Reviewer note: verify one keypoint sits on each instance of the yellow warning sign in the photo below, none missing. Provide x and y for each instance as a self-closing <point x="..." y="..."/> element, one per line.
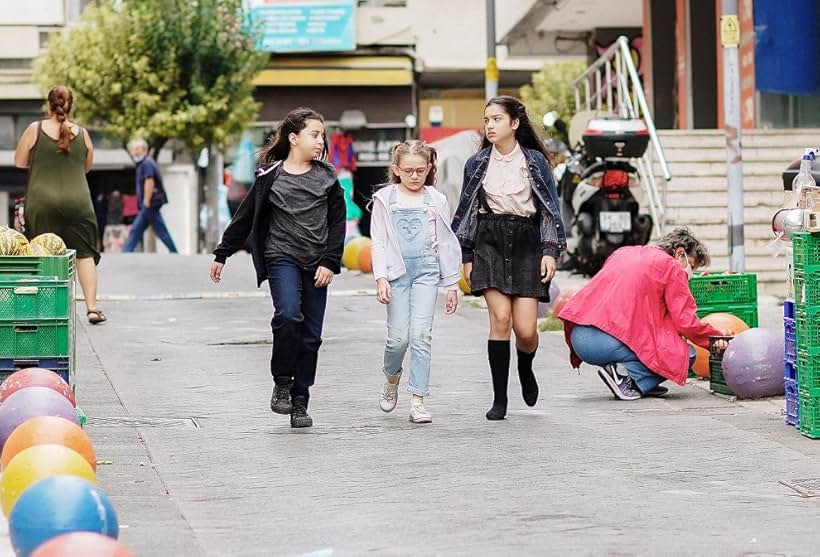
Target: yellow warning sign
<point x="491" y="73"/>
<point x="729" y="31"/>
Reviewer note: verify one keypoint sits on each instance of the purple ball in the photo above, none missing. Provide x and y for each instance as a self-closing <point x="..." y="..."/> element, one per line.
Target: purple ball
<point x="554" y="293"/>
<point x="32" y="402"/>
<point x="753" y="363"/>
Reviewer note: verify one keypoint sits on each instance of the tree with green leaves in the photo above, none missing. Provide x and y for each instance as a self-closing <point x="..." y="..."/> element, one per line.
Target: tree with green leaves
<point x="551" y="90"/>
<point x="159" y="69"/>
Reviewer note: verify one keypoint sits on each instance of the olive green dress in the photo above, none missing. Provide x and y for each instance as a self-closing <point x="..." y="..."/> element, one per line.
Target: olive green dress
<point x="58" y="199"/>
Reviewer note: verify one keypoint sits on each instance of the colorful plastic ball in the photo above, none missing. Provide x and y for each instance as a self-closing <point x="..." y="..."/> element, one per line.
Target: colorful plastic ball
<point x="60" y="505"/>
<point x="721" y="322"/>
<point x="38" y="463"/>
<point x="350" y="256"/>
<point x="87" y="544"/>
<point x="462" y="283"/>
<point x="45" y="430"/>
<point x="30" y="403"/>
<point x="562" y="299"/>
<point x="365" y="260"/>
<point x="753" y="363"/>
<point x="35" y="377"/>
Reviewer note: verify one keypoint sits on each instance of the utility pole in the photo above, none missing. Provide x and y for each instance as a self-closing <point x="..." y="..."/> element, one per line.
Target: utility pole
<point x="730" y="40"/>
<point x="491" y="69"/>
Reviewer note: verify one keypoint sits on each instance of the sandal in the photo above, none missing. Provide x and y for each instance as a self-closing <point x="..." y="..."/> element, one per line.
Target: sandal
<point x="98" y="316"/>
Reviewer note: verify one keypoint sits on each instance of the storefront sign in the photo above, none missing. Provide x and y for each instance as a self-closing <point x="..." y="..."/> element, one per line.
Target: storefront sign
<point x="306" y="26"/>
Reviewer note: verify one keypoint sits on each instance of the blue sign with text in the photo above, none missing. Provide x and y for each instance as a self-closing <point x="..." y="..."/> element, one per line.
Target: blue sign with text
<point x="305" y="26"/>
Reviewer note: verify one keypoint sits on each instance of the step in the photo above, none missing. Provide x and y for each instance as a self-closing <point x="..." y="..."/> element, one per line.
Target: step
<point x="718" y="168"/>
<point x="691" y="216"/>
<point x="797" y="139"/>
<point x="706" y="199"/>
<point x="700" y="153"/>
<point x="719" y="183"/>
<point x="754" y="263"/>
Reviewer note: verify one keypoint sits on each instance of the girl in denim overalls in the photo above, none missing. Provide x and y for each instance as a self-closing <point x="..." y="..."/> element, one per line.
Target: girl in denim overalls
<point x="414" y="252"/>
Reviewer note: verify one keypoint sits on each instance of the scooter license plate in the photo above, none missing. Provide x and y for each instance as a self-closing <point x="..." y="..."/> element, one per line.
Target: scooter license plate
<point x="615" y="221"/>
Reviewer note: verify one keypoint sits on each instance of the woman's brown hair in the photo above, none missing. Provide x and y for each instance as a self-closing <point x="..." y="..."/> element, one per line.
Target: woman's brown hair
<point x="278" y="147"/>
<point x="60" y="101"/>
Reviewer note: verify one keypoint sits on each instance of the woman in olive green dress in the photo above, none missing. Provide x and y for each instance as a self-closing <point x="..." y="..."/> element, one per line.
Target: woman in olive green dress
<point x="58" y="154"/>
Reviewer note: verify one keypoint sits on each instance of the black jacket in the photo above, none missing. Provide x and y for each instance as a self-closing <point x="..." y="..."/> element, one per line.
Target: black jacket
<point x="251" y="223"/>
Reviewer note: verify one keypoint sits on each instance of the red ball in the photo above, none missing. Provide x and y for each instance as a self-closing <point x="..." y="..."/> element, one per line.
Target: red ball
<point x="35" y="377"/>
<point x="87" y="544"/>
<point x="562" y="300"/>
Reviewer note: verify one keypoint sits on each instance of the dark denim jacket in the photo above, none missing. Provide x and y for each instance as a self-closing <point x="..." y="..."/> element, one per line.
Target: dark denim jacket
<point x="465" y="220"/>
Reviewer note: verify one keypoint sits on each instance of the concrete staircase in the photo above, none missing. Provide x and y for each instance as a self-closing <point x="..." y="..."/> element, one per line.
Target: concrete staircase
<point x="697" y="195"/>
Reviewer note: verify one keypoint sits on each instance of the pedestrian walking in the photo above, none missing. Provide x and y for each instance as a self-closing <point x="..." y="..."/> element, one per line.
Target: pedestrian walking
<point x="151" y="196"/>
<point x="414" y="252"/>
<point x="294" y="219"/>
<point x="634" y="313"/>
<point x="58" y="154"/>
<point x="509" y="226"/>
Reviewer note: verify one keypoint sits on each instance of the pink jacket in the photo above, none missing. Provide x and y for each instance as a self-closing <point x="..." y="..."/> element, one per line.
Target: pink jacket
<point x="386" y="252"/>
<point x="642" y="298"/>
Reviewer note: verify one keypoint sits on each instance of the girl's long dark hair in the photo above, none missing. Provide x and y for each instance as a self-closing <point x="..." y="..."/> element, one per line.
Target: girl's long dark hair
<point x="278" y="147"/>
<point x="525" y="134"/>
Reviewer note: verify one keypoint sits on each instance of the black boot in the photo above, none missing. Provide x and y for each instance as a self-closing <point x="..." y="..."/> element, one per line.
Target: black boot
<point x="299" y="416"/>
<point x="498" y="352"/>
<point x="280" y="399"/>
<point x="529" y="386"/>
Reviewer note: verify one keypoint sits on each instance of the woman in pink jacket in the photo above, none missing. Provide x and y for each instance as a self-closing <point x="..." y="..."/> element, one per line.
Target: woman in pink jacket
<point x="636" y="313"/>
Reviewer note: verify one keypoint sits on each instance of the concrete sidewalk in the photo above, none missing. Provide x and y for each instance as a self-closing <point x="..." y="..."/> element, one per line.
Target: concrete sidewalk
<point x="176" y="386"/>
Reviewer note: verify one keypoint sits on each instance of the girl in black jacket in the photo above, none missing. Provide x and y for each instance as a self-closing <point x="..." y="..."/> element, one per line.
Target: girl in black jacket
<point x="294" y="218"/>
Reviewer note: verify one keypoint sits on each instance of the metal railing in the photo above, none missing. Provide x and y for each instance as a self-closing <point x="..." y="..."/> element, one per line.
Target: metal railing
<point x="611" y="83"/>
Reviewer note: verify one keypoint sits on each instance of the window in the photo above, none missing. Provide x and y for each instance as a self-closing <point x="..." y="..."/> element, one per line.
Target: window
<point x="8" y="139"/>
<point x="383" y="3"/>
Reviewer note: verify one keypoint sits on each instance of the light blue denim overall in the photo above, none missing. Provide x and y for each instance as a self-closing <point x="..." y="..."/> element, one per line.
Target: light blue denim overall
<point x="413" y="295"/>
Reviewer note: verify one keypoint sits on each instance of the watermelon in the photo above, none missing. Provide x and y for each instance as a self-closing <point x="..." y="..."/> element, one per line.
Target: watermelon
<point x="53" y="244"/>
<point x="12" y="242"/>
<point x="38" y="250"/>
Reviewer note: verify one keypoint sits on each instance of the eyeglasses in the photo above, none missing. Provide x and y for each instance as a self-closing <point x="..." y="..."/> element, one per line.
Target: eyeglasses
<point x="409" y="172"/>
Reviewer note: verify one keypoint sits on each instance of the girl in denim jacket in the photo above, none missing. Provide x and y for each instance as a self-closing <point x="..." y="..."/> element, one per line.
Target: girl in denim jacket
<point x="414" y="252"/>
<point x="510" y="229"/>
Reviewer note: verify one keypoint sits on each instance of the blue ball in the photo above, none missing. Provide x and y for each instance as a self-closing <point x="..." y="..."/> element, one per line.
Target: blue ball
<point x="59" y="505"/>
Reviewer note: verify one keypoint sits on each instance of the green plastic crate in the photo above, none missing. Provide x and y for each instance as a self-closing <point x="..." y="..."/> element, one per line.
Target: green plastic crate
<point x="55" y="266"/>
<point x="810" y="412"/>
<point x="34" y="299"/>
<point x="808" y="362"/>
<point x="805" y="251"/>
<point x="746" y="313"/>
<point x="807" y="327"/>
<point x="724" y="289"/>
<point x="807" y="287"/>
<point x="717" y="382"/>
<point x="35" y="339"/>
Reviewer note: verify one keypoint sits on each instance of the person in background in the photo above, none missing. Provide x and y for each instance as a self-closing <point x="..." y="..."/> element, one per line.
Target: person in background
<point x="151" y="197"/>
<point x="59" y="154"/>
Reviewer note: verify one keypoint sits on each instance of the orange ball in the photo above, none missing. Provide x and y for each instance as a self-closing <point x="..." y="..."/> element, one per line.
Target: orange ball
<point x="721" y="322"/>
<point x="366" y="259"/>
<point x="48" y="430"/>
<point x="562" y="300"/>
<point x="88" y="544"/>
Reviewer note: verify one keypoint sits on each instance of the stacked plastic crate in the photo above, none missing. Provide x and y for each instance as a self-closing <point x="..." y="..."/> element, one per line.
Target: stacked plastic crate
<point x="790" y="365"/>
<point x="806" y="265"/>
<point x="734" y="293"/>
<point x="37" y="314"/>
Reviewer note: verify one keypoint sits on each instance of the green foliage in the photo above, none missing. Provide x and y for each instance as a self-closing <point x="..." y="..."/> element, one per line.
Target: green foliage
<point x="551" y="90"/>
<point x="160" y="69"/>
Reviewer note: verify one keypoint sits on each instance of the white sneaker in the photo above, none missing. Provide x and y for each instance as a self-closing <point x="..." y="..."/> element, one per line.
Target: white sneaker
<point x="390" y="394"/>
<point x="419" y="414"/>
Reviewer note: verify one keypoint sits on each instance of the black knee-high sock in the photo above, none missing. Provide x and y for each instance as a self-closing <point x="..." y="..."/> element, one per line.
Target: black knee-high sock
<point x="498" y="352"/>
<point x="529" y="386"/>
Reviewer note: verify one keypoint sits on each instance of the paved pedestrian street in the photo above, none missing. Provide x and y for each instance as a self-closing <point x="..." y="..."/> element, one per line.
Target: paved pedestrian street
<point x="176" y="386"/>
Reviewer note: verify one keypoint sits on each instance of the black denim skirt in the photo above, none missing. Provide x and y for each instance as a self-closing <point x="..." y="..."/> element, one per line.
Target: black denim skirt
<point x="507" y="257"/>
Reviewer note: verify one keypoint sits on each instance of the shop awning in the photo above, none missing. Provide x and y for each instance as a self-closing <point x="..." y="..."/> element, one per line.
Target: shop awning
<point x="340" y="71"/>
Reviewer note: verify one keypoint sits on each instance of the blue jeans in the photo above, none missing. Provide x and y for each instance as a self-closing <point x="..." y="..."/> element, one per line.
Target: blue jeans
<point x="410" y="321"/>
<point x="153" y="218"/>
<point x="599" y="348"/>
<point x="299" y="312"/>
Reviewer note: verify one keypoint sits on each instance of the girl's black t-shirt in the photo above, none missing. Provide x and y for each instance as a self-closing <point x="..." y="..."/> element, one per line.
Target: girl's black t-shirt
<point x="299" y="220"/>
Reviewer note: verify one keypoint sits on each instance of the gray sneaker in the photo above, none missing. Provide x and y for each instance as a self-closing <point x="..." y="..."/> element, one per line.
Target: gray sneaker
<point x="390" y="394"/>
<point x="280" y="399"/>
<point x="623" y="387"/>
